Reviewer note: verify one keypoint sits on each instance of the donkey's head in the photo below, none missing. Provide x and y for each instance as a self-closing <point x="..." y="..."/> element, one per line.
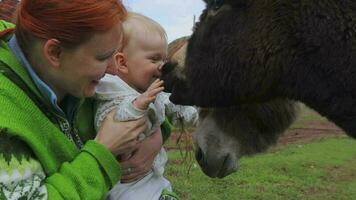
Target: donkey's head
<point x="224" y="135"/>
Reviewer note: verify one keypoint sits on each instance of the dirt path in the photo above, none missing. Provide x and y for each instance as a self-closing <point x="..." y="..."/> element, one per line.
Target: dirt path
<point x="311" y="131"/>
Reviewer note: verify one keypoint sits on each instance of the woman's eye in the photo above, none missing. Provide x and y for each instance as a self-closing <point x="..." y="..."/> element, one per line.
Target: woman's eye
<point x="103" y="58"/>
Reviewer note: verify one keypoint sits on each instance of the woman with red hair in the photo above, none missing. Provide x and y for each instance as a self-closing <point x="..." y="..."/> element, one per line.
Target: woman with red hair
<point x="56" y="56"/>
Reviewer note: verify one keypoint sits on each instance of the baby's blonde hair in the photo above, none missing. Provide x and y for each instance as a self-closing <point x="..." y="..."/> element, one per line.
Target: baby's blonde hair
<point x="130" y="26"/>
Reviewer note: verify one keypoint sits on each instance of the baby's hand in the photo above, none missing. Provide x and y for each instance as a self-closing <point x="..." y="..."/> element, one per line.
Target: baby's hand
<point x="149" y="96"/>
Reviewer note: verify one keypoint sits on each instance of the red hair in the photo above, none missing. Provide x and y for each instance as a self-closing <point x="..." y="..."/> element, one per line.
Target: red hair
<point x="72" y="22"/>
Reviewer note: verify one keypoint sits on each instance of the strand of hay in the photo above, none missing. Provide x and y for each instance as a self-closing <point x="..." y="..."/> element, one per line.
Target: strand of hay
<point x="186" y="146"/>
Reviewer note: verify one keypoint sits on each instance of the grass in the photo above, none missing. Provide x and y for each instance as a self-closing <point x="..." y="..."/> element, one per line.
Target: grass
<point x="306" y="116"/>
<point x="324" y="170"/>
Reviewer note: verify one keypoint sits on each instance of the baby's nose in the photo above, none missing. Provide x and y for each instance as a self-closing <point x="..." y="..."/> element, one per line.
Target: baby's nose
<point x="160" y="66"/>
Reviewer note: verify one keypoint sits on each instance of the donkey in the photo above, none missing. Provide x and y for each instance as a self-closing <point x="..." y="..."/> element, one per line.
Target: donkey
<point x="224" y="135"/>
<point x="246" y="52"/>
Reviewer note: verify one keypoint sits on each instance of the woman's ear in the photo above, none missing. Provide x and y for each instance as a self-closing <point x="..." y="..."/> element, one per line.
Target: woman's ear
<point x="52" y="51"/>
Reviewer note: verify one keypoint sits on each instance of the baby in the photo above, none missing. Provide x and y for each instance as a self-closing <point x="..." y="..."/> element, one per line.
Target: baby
<point x="136" y="91"/>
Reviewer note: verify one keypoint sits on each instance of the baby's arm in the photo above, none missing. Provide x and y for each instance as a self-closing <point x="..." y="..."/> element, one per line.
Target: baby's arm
<point x="142" y="101"/>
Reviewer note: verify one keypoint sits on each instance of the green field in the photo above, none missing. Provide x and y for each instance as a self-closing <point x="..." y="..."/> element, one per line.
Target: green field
<point x="325" y="169"/>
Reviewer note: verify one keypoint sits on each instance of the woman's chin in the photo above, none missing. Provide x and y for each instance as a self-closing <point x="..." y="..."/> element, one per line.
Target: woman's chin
<point x="89" y="91"/>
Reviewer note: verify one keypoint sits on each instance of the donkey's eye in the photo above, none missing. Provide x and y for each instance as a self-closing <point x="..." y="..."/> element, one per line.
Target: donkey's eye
<point x="216" y="4"/>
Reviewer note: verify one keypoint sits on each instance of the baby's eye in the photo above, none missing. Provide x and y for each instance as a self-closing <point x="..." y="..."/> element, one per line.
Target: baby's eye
<point x="155" y="59"/>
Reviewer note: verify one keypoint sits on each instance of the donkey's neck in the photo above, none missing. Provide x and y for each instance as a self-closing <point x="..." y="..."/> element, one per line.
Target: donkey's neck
<point x="336" y="103"/>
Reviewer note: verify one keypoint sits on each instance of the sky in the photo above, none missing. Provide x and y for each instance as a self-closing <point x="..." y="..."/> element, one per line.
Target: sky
<point x="175" y="16"/>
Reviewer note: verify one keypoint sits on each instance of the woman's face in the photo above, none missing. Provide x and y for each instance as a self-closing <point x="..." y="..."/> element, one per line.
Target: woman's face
<point x="81" y="68"/>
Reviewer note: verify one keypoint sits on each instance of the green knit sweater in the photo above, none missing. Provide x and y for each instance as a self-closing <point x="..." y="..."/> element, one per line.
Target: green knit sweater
<point x="36" y="159"/>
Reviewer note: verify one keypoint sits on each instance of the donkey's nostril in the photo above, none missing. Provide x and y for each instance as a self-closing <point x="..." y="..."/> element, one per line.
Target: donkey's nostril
<point x="199" y="154"/>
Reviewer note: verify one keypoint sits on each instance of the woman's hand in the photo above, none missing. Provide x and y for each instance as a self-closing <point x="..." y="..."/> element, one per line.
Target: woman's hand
<point x="120" y="137"/>
<point x="141" y="161"/>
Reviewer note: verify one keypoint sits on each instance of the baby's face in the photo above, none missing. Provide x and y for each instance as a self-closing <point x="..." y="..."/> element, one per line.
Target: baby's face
<point x="145" y="53"/>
